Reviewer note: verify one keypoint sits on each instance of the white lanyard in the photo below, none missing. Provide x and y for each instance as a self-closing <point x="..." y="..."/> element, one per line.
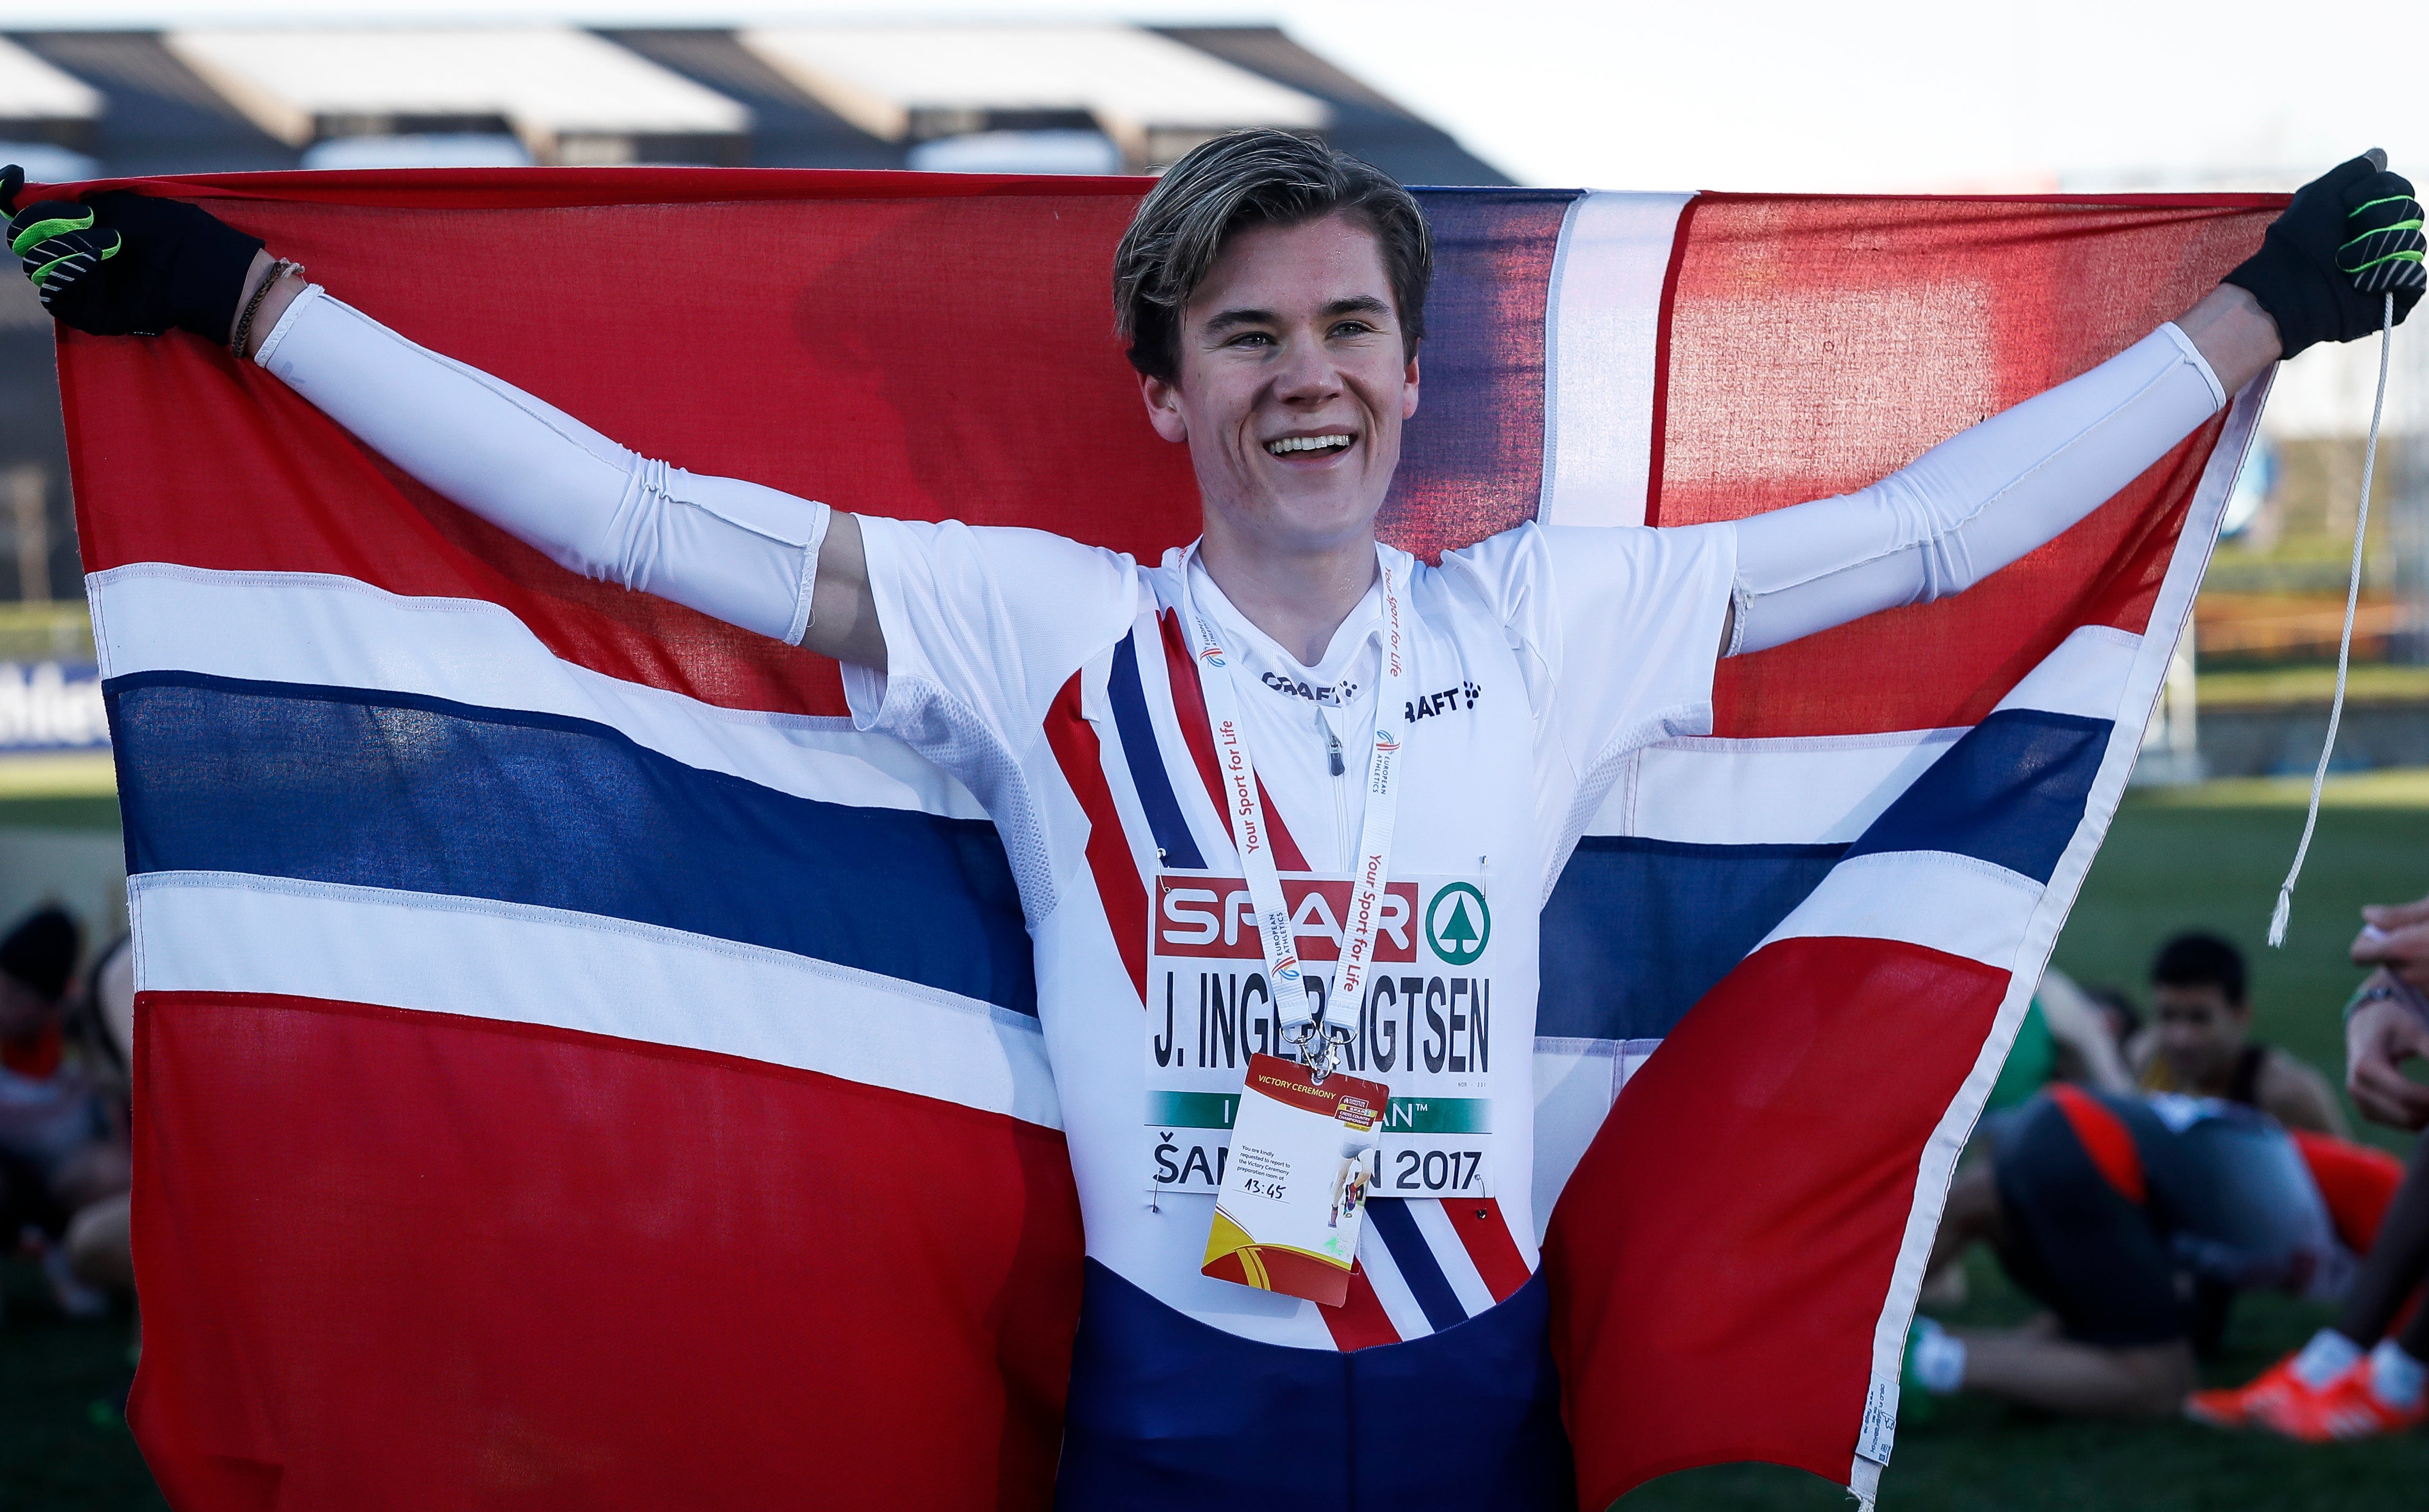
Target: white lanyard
<point x="1319" y="1044"/>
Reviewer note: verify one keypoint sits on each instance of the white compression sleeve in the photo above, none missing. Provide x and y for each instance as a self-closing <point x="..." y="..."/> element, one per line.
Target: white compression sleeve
<point x="739" y="552"/>
<point x="1975" y="502"/>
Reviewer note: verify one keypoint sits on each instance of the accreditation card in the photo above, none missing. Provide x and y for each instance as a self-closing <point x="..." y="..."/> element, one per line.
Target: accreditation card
<point x="1294" y="1190"/>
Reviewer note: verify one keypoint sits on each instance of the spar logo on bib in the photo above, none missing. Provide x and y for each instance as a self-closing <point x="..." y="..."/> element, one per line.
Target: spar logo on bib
<point x="1457" y="924"/>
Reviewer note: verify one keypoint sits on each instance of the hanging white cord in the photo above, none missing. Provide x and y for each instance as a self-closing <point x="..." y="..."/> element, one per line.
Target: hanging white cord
<point x="2344" y="644"/>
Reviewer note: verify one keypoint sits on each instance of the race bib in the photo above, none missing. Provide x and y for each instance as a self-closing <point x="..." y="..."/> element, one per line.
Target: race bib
<point x="1425" y="1029"/>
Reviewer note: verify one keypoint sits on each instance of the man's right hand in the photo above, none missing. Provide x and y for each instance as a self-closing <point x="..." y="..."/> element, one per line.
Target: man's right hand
<point x="2379" y="1038"/>
<point x="127" y="264"/>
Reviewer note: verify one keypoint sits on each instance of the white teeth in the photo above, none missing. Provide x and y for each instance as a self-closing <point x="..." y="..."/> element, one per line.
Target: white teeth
<point x="1289" y="444"/>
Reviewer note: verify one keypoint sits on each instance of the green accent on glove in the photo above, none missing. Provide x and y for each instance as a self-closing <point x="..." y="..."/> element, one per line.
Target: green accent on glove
<point x="2391" y="226"/>
<point x="42" y="274"/>
<point x="41" y="231"/>
<point x="2394" y="256"/>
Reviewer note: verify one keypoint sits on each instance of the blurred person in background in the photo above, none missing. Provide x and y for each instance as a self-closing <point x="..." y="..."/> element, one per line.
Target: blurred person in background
<point x="98" y="1244"/>
<point x="2117" y="1013"/>
<point x="2201" y="1042"/>
<point x="2364" y="1374"/>
<point x="2134" y="1218"/>
<point x="2064" y="1037"/>
<point x="2085" y="1047"/>
<point x="62" y="1135"/>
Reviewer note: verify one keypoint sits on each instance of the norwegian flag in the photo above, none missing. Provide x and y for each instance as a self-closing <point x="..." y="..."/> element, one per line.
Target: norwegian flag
<point x="575" y="1068"/>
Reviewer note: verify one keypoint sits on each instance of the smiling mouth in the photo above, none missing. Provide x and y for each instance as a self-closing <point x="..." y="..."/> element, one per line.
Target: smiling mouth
<point x="1318" y="446"/>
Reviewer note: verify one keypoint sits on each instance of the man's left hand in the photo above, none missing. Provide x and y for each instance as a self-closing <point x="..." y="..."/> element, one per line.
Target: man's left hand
<point x="2352" y="237"/>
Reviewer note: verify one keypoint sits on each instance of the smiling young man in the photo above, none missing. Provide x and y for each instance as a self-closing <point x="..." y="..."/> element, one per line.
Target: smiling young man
<point x="1198" y="766"/>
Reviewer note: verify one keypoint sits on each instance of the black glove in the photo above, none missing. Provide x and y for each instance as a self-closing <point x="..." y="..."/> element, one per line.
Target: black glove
<point x="2352" y="235"/>
<point x="124" y="264"/>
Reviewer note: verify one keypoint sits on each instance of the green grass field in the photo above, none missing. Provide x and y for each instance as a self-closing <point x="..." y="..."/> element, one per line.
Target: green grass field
<point x="2210" y="857"/>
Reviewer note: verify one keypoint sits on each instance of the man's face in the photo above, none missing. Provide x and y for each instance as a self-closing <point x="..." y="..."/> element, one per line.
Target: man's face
<point x="1294" y="385"/>
<point x="2200" y="1031"/>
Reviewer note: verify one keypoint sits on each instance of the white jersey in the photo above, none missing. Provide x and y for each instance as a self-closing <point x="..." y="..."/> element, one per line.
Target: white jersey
<point x="1053" y="680"/>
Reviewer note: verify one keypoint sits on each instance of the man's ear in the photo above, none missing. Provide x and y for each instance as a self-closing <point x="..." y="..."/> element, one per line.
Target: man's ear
<point x="1164" y="407"/>
<point x="1409" y="389"/>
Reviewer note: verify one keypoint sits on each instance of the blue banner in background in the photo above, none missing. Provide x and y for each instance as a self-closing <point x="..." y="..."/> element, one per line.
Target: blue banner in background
<point x="49" y="706"/>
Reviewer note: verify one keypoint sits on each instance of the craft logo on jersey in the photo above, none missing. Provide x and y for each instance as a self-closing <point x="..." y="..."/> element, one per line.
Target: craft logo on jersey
<point x="1457" y="934"/>
<point x="1450" y="700"/>
<point x="1330" y="693"/>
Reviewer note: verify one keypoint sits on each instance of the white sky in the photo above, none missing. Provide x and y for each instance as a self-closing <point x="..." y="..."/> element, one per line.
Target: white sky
<point x="1992" y="95"/>
<point x="1760" y="94"/>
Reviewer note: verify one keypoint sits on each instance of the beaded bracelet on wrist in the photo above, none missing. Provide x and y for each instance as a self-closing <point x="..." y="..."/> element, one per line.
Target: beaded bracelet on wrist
<point x="252" y="306"/>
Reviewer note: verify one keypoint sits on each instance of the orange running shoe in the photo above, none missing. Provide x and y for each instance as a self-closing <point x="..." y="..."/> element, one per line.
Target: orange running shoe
<point x="2351" y="1407"/>
<point x="2275" y="1392"/>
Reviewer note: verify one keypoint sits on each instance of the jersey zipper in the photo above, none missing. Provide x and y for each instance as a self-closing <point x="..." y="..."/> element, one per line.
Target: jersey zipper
<point x="1340" y="770"/>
